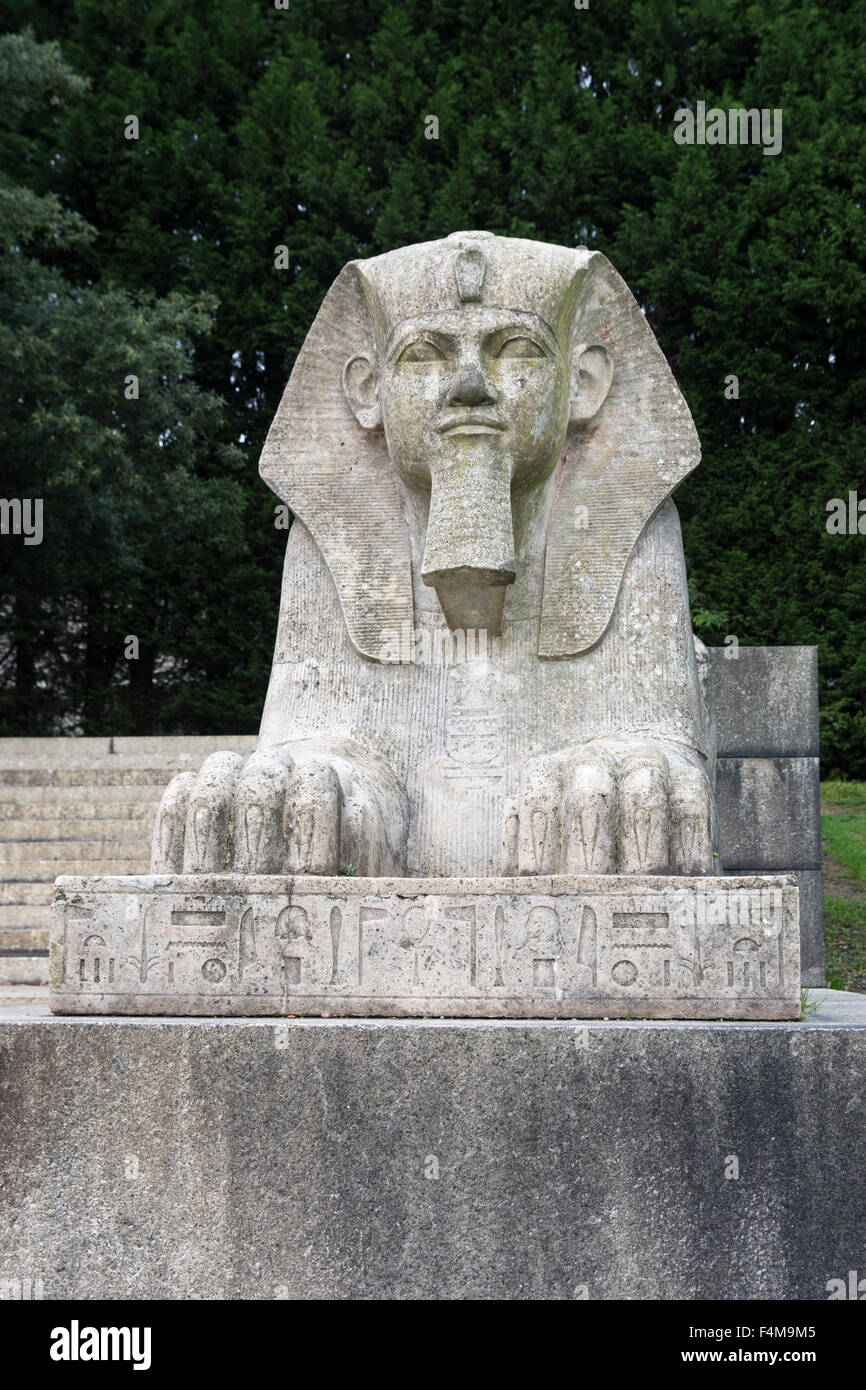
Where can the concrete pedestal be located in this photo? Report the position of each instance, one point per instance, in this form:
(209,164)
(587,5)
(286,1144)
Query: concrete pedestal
(383,1159)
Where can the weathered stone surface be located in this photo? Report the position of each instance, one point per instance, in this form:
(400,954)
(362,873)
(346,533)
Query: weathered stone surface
(769,811)
(811,926)
(531,947)
(25,967)
(248,1159)
(765,706)
(765,702)
(20,940)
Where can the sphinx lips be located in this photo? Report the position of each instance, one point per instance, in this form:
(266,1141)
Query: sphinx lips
(478,424)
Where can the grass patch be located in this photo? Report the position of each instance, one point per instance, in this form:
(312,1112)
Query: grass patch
(843,837)
(845,943)
(844,794)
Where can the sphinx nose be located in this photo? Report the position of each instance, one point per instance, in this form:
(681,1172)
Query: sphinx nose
(470,388)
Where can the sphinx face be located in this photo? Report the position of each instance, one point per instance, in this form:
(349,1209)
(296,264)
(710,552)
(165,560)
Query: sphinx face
(474,404)
(473,383)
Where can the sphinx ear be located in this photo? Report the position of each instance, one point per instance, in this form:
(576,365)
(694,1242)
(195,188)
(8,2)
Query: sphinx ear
(361,388)
(324,460)
(591,375)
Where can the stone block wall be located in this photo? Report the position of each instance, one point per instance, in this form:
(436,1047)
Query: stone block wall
(765,704)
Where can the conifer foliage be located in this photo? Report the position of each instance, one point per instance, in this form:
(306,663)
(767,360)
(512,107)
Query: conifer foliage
(341,130)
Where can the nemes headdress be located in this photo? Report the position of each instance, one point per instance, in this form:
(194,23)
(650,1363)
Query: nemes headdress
(616,470)
(472,268)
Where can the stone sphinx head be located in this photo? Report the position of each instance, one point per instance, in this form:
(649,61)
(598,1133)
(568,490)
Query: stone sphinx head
(466,371)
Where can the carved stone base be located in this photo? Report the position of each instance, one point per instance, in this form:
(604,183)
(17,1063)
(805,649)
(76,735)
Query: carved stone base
(556,947)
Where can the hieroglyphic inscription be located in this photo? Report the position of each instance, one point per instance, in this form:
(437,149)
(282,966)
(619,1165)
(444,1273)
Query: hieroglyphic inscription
(477,947)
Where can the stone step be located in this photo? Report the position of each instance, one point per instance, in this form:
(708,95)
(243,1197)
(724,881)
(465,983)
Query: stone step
(24,916)
(46,870)
(82,795)
(23,939)
(86,775)
(193,748)
(130,846)
(29,821)
(21,969)
(22,995)
(18,892)
(63,831)
(32,750)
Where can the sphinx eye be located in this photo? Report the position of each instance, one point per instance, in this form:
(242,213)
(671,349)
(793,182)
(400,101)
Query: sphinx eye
(421,351)
(520,347)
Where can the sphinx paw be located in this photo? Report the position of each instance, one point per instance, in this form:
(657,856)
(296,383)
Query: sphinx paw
(593,810)
(297,809)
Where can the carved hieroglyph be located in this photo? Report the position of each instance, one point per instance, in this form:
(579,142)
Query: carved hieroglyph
(536,947)
(484,661)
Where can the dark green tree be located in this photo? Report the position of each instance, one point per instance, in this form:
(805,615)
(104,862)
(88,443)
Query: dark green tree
(117,619)
(306,127)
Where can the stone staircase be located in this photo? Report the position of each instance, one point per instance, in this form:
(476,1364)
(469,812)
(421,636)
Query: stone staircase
(77,806)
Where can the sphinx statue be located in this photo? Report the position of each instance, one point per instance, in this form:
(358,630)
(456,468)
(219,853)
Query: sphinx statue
(484,660)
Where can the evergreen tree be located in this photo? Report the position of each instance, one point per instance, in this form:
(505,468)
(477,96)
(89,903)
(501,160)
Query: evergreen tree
(308,128)
(105,437)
